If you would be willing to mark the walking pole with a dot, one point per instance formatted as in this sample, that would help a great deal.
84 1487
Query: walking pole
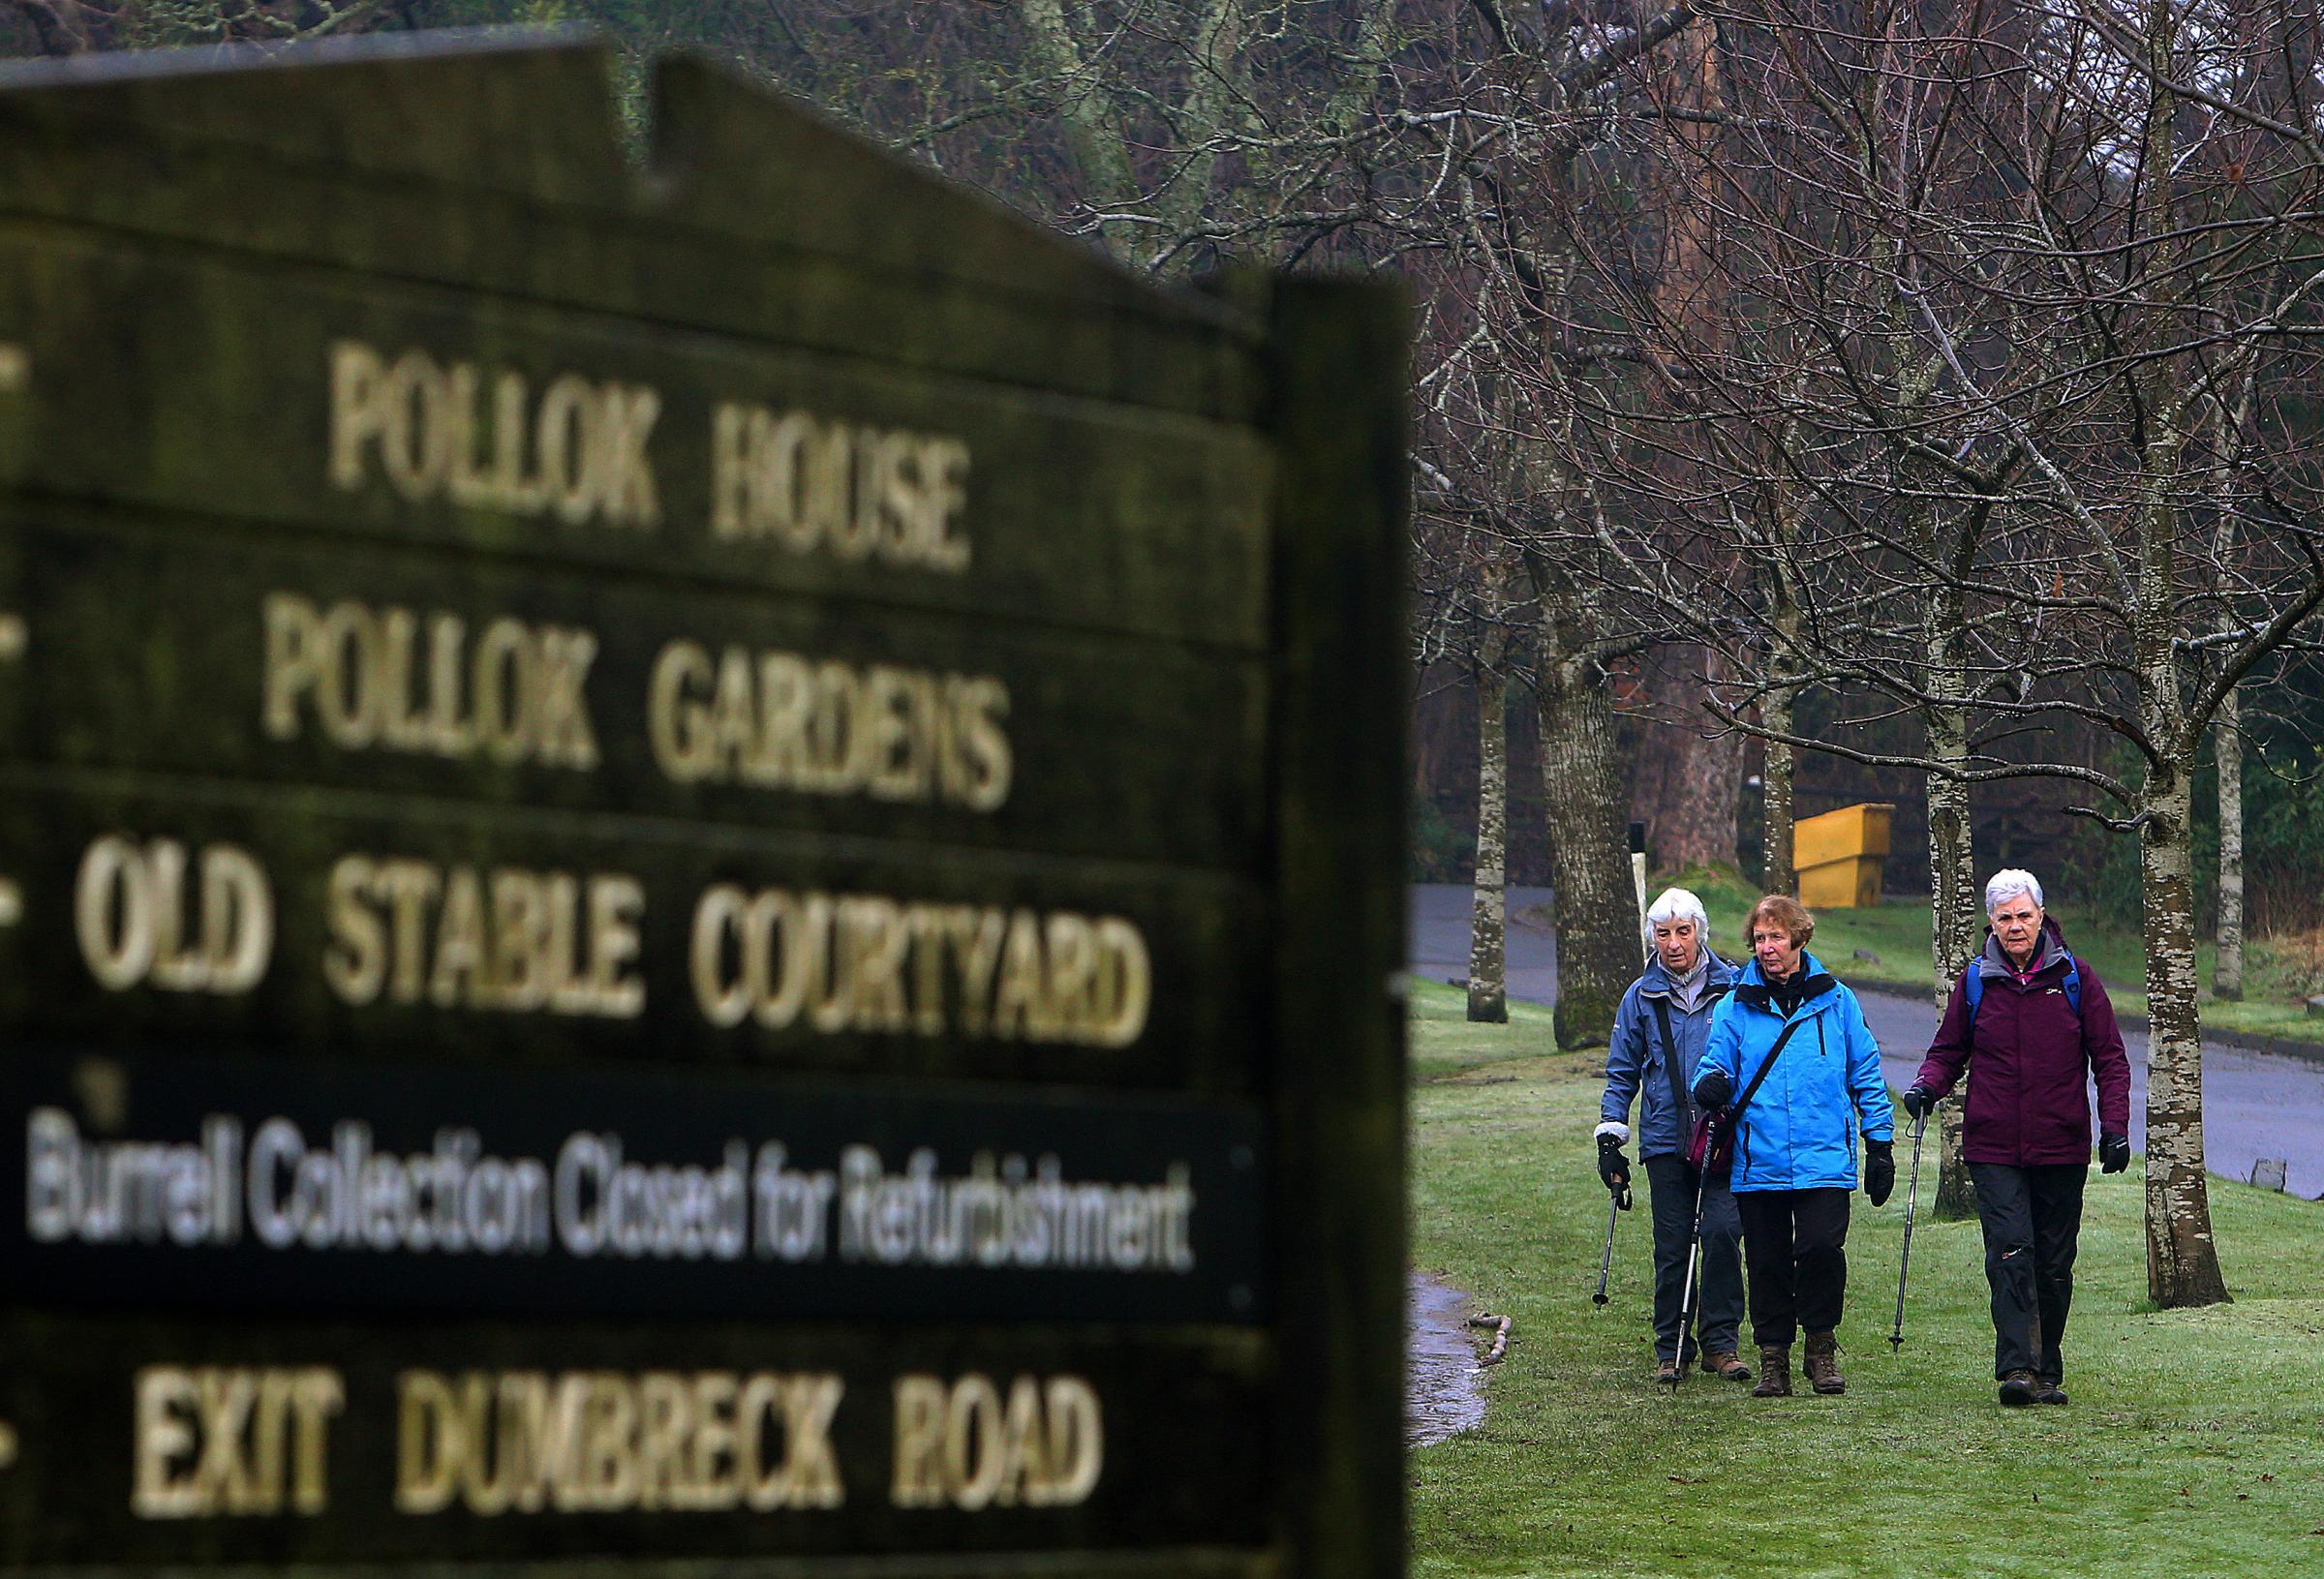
1686 1298
1606 1263
1896 1339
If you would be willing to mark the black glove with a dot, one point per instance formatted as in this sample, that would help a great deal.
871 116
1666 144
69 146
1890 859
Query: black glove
1880 1171
1612 1165
2114 1153
1918 1102
1713 1091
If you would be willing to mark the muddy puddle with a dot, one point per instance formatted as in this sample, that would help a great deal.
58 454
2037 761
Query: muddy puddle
1444 1384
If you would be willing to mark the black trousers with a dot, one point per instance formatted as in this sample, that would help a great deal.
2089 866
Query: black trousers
1719 1290
1791 1242
2033 1223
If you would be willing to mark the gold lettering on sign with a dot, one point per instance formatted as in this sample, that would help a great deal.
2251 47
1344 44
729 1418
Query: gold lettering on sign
963 1445
154 914
779 720
836 488
866 962
506 939
603 1441
577 450
391 680
215 1440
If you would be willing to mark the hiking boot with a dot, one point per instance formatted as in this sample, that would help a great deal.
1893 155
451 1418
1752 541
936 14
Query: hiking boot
1671 1371
2048 1392
1725 1363
2017 1389
1823 1364
1774 1371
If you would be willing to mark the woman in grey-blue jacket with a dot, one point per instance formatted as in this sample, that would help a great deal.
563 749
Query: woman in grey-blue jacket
1795 1136
1659 1036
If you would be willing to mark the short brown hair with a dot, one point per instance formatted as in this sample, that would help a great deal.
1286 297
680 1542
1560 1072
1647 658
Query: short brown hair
1781 910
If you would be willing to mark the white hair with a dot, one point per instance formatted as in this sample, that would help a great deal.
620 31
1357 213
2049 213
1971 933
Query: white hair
2008 884
1675 904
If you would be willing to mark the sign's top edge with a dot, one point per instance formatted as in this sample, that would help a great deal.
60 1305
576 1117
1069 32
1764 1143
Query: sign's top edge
528 114
240 56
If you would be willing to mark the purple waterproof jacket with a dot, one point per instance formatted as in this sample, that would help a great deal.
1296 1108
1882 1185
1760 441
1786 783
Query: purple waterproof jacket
2032 1060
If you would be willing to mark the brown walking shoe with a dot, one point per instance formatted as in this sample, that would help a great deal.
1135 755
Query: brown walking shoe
1671 1371
1774 1371
1725 1363
1823 1364
2017 1389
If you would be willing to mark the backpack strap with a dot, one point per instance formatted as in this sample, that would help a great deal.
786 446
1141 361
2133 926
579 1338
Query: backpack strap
1972 982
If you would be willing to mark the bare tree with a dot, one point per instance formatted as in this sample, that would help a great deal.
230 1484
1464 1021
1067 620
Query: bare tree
2053 244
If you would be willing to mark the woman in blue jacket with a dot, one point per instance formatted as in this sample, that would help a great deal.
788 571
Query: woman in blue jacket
1795 1136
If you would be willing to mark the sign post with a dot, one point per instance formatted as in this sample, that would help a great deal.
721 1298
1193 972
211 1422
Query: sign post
696 864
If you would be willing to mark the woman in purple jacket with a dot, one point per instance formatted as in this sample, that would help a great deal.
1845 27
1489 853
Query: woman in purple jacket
2034 1026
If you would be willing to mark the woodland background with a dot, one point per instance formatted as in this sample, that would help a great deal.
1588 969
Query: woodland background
1814 402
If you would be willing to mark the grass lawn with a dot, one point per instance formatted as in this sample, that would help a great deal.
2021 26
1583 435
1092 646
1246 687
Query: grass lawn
2193 1447
2277 975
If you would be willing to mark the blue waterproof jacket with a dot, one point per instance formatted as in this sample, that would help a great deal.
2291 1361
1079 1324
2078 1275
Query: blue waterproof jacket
1800 1131
1634 1065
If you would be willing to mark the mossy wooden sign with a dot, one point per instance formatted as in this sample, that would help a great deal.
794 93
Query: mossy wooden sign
697 863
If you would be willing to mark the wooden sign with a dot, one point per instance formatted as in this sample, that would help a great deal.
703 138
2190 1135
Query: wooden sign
697 861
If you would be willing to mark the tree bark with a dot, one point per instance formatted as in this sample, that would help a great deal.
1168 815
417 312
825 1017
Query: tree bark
1688 786
2183 1262
1488 998
2228 745
1595 904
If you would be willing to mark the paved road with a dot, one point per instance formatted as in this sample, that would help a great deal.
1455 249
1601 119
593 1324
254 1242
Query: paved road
2254 1104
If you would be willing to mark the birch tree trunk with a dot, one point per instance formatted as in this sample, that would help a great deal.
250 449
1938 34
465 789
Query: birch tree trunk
1953 896
2183 1262
1582 793
2228 745
1776 875
1949 539
2227 738
1952 940
1488 1000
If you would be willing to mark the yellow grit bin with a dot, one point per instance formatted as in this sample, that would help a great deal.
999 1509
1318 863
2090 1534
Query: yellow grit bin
1839 856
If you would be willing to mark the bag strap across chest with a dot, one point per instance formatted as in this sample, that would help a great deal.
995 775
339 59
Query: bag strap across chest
1680 1103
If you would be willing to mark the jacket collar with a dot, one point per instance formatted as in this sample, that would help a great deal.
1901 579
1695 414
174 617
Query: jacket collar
1655 982
1815 984
2050 954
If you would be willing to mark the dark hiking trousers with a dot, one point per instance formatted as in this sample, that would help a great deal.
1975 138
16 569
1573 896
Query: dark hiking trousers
1719 1296
2033 1223
1791 1242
